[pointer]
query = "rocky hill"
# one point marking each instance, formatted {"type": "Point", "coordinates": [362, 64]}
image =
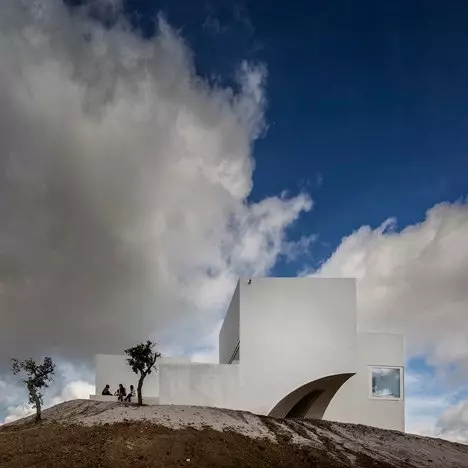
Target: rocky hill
{"type": "Point", "coordinates": [83, 433]}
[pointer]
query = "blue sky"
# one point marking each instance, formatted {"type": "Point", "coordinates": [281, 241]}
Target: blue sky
{"type": "Point", "coordinates": [368, 97]}
{"type": "Point", "coordinates": [366, 114]}
{"type": "Point", "coordinates": [367, 109]}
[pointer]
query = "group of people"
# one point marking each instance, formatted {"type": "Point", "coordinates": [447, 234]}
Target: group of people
{"type": "Point", "coordinates": [120, 393]}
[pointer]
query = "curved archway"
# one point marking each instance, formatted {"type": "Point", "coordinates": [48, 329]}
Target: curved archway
{"type": "Point", "coordinates": [310, 400]}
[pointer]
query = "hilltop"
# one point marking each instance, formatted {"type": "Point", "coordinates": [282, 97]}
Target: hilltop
{"type": "Point", "coordinates": [86, 433]}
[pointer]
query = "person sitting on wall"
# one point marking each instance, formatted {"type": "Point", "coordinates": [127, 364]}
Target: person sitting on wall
{"type": "Point", "coordinates": [121, 392]}
{"type": "Point", "coordinates": [131, 394]}
{"type": "Point", "coordinates": [106, 390]}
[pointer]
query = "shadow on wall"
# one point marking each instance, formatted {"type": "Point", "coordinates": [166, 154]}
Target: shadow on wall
{"type": "Point", "coordinates": [311, 400]}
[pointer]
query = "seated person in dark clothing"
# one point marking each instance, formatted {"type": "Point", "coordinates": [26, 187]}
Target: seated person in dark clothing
{"type": "Point", "coordinates": [106, 390]}
{"type": "Point", "coordinates": [121, 392]}
{"type": "Point", "coordinates": [131, 394]}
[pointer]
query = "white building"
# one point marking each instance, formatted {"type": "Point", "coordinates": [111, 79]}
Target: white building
{"type": "Point", "coordinates": [288, 347]}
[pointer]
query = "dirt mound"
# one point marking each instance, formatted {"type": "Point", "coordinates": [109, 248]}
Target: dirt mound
{"type": "Point", "coordinates": [84, 433]}
{"type": "Point", "coordinates": [137, 444]}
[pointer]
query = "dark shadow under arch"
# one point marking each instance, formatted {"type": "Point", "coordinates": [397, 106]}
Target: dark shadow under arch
{"type": "Point", "coordinates": [310, 400]}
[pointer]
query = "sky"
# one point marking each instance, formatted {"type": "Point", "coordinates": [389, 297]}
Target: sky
{"type": "Point", "coordinates": [152, 152]}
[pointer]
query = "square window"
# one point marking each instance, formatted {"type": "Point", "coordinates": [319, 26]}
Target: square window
{"type": "Point", "coordinates": [386, 383]}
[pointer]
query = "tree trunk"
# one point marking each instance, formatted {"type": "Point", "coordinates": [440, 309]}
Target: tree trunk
{"type": "Point", "coordinates": [38, 410]}
{"type": "Point", "coordinates": [37, 403]}
{"type": "Point", "coordinates": [139, 387]}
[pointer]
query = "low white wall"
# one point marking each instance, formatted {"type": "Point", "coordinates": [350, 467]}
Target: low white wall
{"type": "Point", "coordinates": [113, 369]}
{"type": "Point", "coordinates": [199, 384]}
{"type": "Point", "coordinates": [146, 400]}
{"type": "Point", "coordinates": [353, 402]}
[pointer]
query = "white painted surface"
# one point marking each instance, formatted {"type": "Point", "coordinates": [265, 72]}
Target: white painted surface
{"type": "Point", "coordinates": [146, 400]}
{"type": "Point", "coordinates": [229, 333]}
{"type": "Point", "coordinates": [353, 403]}
{"type": "Point", "coordinates": [214, 385]}
{"type": "Point", "coordinates": [294, 331]}
{"type": "Point", "coordinates": [299, 346]}
{"type": "Point", "coordinates": [113, 369]}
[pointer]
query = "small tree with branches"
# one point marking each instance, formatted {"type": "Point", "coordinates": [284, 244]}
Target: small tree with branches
{"type": "Point", "coordinates": [142, 360]}
{"type": "Point", "coordinates": [37, 379]}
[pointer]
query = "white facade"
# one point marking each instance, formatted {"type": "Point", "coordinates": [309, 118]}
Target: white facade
{"type": "Point", "coordinates": [289, 347]}
{"type": "Point", "coordinates": [113, 369]}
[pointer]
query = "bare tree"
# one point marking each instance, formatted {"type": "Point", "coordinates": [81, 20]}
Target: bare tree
{"type": "Point", "coordinates": [37, 379]}
{"type": "Point", "coordinates": [142, 360]}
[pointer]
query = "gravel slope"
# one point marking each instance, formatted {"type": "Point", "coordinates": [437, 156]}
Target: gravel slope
{"type": "Point", "coordinates": [126, 435]}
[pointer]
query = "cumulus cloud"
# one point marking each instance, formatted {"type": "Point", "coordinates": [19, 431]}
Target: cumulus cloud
{"type": "Point", "coordinates": [426, 400]}
{"type": "Point", "coordinates": [453, 423]}
{"type": "Point", "coordinates": [414, 281]}
{"type": "Point", "coordinates": [74, 390]}
{"type": "Point", "coordinates": [123, 186]}
{"type": "Point", "coordinates": [18, 412]}
{"type": "Point", "coordinates": [69, 382]}
{"type": "Point", "coordinates": [71, 391]}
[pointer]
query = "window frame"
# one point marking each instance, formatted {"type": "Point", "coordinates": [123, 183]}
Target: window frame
{"type": "Point", "coordinates": [386, 398]}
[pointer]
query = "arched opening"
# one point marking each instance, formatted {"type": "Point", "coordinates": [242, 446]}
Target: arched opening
{"type": "Point", "coordinates": [310, 400]}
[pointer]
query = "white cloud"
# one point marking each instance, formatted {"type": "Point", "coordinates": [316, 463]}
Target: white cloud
{"type": "Point", "coordinates": [68, 383]}
{"type": "Point", "coordinates": [423, 411]}
{"type": "Point", "coordinates": [208, 355]}
{"type": "Point", "coordinates": [71, 391]}
{"type": "Point", "coordinates": [414, 281]}
{"type": "Point", "coordinates": [438, 416]}
{"type": "Point", "coordinates": [18, 412]}
{"type": "Point", "coordinates": [423, 426]}
{"type": "Point", "coordinates": [78, 389]}
{"type": "Point", "coordinates": [123, 187]}
{"type": "Point", "coordinates": [453, 423]}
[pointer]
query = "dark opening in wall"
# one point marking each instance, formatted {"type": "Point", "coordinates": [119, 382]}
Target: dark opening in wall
{"type": "Point", "coordinates": [236, 354]}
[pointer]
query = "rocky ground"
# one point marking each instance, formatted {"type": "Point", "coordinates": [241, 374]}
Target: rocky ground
{"type": "Point", "coordinates": [83, 433]}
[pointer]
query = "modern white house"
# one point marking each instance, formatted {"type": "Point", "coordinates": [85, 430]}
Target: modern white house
{"type": "Point", "coordinates": [288, 347]}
